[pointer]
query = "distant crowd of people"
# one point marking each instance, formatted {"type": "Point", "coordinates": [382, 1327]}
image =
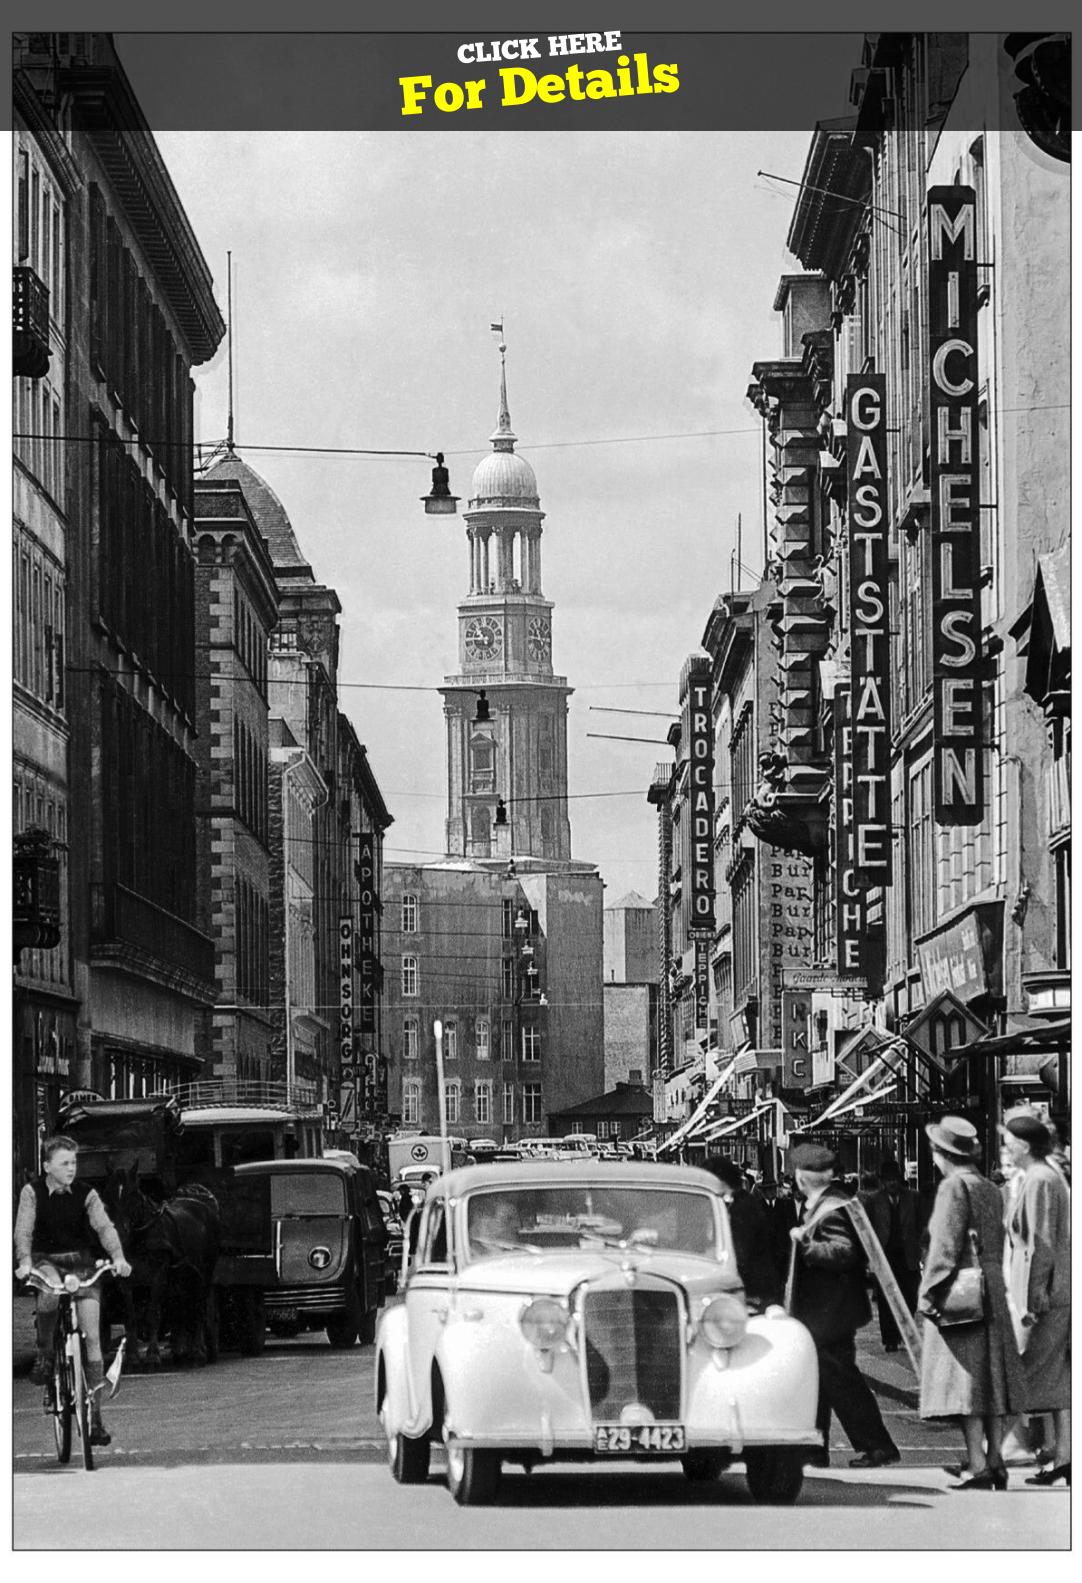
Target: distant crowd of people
{"type": "Point", "coordinates": [1005, 1376]}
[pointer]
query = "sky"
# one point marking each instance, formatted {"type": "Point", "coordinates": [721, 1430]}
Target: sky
{"type": "Point", "coordinates": [635, 274]}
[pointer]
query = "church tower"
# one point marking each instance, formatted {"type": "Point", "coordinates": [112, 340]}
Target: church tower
{"type": "Point", "coordinates": [506, 711]}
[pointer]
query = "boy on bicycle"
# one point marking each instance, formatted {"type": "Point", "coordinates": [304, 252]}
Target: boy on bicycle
{"type": "Point", "coordinates": [58, 1228]}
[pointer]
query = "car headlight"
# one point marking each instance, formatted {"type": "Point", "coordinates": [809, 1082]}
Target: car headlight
{"type": "Point", "coordinates": [723, 1321]}
{"type": "Point", "coordinates": [544, 1323]}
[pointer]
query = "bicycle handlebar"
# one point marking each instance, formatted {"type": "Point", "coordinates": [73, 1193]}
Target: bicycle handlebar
{"type": "Point", "coordinates": [42, 1282]}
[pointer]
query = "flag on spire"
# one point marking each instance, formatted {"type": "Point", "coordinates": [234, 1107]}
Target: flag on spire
{"type": "Point", "coordinates": [498, 328]}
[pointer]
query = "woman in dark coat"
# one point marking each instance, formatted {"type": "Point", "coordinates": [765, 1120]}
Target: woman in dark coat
{"type": "Point", "coordinates": [1038, 1274]}
{"type": "Point", "coordinates": [969, 1372]}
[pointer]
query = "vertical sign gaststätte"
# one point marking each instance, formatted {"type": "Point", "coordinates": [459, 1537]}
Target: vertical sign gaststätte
{"type": "Point", "coordinates": [869, 629]}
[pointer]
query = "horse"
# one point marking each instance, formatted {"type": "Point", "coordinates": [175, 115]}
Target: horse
{"type": "Point", "coordinates": [172, 1248]}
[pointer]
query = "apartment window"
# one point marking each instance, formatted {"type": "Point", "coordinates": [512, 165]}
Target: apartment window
{"type": "Point", "coordinates": [452, 1102]}
{"type": "Point", "coordinates": [410, 1039]}
{"type": "Point", "coordinates": [919, 865]}
{"type": "Point", "coordinates": [481, 1039]}
{"type": "Point", "coordinates": [409, 975]}
{"type": "Point", "coordinates": [508, 1103]}
{"type": "Point", "coordinates": [411, 1104]}
{"type": "Point", "coordinates": [508, 918]}
{"type": "Point", "coordinates": [508, 983]}
{"type": "Point", "coordinates": [531, 1044]}
{"type": "Point", "coordinates": [409, 915]}
{"type": "Point", "coordinates": [482, 1103]}
{"type": "Point", "coordinates": [450, 1039]}
{"type": "Point", "coordinates": [507, 1039]}
{"type": "Point", "coordinates": [531, 1102]}
{"type": "Point", "coordinates": [576, 1126]}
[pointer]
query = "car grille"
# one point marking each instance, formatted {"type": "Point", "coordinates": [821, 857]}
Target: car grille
{"type": "Point", "coordinates": [633, 1351]}
{"type": "Point", "coordinates": [320, 1299]}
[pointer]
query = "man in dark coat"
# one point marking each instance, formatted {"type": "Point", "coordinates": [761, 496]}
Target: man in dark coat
{"type": "Point", "coordinates": [830, 1297]}
{"type": "Point", "coordinates": [894, 1212]}
{"type": "Point", "coordinates": [750, 1222]}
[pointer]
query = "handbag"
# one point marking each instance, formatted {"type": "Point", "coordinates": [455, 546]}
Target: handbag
{"type": "Point", "coordinates": [962, 1301]}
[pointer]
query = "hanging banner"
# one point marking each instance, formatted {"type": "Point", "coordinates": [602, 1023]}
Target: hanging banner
{"type": "Point", "coordinates": [849, 900]}
{"type": "Point", "coordinates": [698, 723]}
{"type": "Point", "coordinates": [957, 720]}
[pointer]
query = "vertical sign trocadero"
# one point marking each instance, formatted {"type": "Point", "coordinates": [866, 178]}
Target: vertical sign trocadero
{"type": "Point", "coordinates": [869, 628]}
{"type": "Point", "coordinates": [695, 692]}
{"type": "Point", "coordinates": [957, 724]}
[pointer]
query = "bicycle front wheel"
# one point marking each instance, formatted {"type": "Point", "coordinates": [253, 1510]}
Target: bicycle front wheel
{"type": "Point", "coordinates": [62, 1407]}
{"type": "Point", "coordinates": [81, 1394]}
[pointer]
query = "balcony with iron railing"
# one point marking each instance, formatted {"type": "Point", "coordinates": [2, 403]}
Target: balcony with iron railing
{"type": "Point", "coordinates": [29, 324]}
{"type": "Point", "coordinates": [297, 1099]}
{"type": "Point", "coordinates": [119, 917]}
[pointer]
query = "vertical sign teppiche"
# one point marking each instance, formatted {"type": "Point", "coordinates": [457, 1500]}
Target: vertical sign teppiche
{"type": "Point", "coordinates": [869, 732]}
{"type": "Point", "coordinates": [958, 727]}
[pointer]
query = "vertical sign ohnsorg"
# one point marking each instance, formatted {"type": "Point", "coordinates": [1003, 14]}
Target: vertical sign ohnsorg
{"type": "Point", "coordinates": [957, 722]}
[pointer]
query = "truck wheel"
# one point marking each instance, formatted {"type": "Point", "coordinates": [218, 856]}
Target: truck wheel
{"type": "Point", "coordinates": [252, 1325]}
{"type": "Point", "coordinates": [408, 1458]}
{"type": "Point", "coordinates": [775, 1474]}
{"type": "Point", "coordinates": [342, 1330]}
{"type": "Point", "coordinates": [367, 1327]}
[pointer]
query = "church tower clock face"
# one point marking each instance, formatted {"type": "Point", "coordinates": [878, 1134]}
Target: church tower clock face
{"type": "Point", "coordinates": [539, 638]}
{"type": "Point", "coordinates": [484, 638]}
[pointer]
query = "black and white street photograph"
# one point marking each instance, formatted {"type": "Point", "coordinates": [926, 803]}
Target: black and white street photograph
{"type": "Point", "coordinates": [541, 815]}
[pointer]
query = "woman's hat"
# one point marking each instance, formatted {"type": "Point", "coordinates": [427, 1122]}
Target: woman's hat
{"type": "Point", "coordinates": [1030, 1128]}
{"type": "Point", "coordinates": [954, 1135]}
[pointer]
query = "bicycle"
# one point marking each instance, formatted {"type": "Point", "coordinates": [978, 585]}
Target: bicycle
{"type": "Point", "coordinates": [71, 1393]}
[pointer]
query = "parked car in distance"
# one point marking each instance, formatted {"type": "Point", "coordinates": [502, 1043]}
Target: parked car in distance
{"type": "Point", "coordinates": [396, 1233]}
{"type": "Point", "coordinates": [588, 1311]}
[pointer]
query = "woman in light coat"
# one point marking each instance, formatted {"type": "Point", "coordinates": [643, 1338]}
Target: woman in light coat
{"type": "Point", "coordinates": [971, 1373]}
{"type": "Point", "coordinates": [1038, 1270]}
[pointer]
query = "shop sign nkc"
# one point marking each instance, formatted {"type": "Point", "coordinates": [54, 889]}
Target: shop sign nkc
{"type": "Point", "coordinates": [868, 836]}
{"type": "Point", "coordinates": [957, 723]}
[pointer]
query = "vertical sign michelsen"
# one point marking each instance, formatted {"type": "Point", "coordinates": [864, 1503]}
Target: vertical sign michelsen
{"type": "Point", "coordinates": [869, 629]}
{"type": "Point", "coordinates": [700, 740]}
{"type": "Point", "coordinates": [958, 728]}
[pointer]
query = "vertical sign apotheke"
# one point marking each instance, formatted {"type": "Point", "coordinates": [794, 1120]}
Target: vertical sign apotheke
{"type": "Point", "coordinates": [957, 722]}
{"type": "Point", "coordinates": [695, 697]}
{"type": "Point", "coordinates": [869, 628]}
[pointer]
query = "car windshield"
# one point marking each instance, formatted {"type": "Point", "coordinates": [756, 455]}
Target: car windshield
{"type": "Point", "coordinates": [590, 1215]}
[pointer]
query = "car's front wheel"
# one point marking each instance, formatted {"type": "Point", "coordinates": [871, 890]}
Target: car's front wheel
{"type": "Point", "coordinates": [408, 1458]}
{"type": "Point", "coordinates": [473, 1475]}
{"type": "Point", "coordinates": [775, 1474]}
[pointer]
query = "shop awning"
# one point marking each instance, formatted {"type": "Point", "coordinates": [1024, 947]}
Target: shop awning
{"type": "Point", "coordinates": [1039, 1036]}
{"type": "Point", "coordinates": [890, 1059]}
{"type": "Point", "coordinates": [721, 1129]}
{"type": "Point", "coordinates": [700, 1110]}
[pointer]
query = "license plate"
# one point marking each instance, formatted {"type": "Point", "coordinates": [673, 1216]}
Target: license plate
{"type": "Point", "coordinates": [288, 1316]}
{"type": "Point", "coordinates": [634, 1439]}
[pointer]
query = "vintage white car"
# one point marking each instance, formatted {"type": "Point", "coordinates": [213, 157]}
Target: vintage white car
{"type": "Point", "coordinates": [588, 1310]}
